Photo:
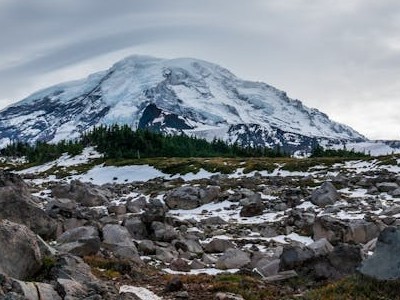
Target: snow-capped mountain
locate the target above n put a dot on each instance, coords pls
(177, 95)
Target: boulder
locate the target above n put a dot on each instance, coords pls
(189, 245)
(32, 290)
(166, 255)
(80, 241)
(252, 206)
(18, 205)
(218, 246)
(387, 186)
(64, 207)
(268, 267)
(147, 247)
(348, 231)
(190, 197)
(325, 195)
(395, 193)
(232, 259)
(117, 239)
(136, 205)
(342, 261)
(321, 247)
(118, 209)
(360, 231)
(72, 289)
(46, 291)
(76, 281)
(345, 258)
(180, 265)
(86, 194)
(136, 228)
(211, 221)
(384, 263)
(295, 257)
(154, 211)
(21, 256)
(163, 232)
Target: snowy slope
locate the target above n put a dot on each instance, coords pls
(174, 95)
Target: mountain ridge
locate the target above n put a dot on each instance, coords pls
(184, 94)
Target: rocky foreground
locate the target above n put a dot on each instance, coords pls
(167, 239)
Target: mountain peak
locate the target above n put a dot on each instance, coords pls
(187, 95)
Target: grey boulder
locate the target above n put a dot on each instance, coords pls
(384, 263)
(325, 195)
(117, 239)
(80, 241)
(190, 197)
(232, 259)
(84, 193)
(20, 250)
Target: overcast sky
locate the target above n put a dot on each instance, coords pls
(340, 56)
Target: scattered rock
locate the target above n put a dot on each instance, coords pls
(84, 193)
(215, 220)
(117, 239)
(321, 247)
(232, 259)
(118, 209)
(252, 206)
(80, 241)
(180, 264)
(268, 267)
(384, 263)
(136, 205)
(154, 212)
(218, 246)
(136, 228)
(20, 251)
(387, 186)
(190, 197)
(17, 205)
(325, 195)
(349, 231)
(163, 232)
(295, 257)
(147, 247)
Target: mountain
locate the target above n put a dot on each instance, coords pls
(177, 95)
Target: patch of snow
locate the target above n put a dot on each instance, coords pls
(111, 174)
(209, 271)
(306, 205)
(140, 292)
(201, 174)
(224, 211)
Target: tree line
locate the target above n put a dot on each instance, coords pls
(121, 142)
(319, 151)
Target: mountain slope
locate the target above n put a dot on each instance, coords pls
(177, 95)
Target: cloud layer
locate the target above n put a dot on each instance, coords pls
(342, 57)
